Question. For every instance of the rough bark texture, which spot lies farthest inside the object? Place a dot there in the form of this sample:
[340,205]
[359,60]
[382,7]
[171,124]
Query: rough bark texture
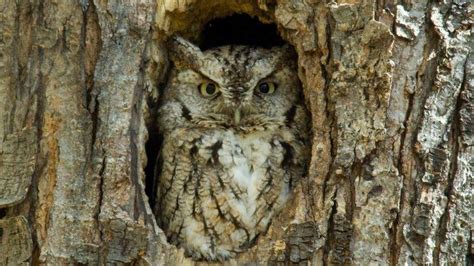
[389,84]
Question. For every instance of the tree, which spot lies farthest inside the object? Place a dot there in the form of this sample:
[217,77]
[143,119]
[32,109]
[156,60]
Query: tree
[389,85]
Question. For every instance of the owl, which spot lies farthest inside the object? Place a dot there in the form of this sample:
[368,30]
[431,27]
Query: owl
[235,141]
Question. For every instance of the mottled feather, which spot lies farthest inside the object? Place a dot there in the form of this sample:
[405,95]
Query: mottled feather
[224,175]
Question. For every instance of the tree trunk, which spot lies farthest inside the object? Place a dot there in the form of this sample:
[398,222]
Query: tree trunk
[389,85]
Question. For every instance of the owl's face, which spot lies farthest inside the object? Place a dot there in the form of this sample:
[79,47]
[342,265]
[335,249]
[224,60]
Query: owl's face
[237,87]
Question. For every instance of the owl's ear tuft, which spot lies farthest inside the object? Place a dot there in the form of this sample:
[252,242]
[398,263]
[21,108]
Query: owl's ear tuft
[284,55]
[182,52]
[285,50]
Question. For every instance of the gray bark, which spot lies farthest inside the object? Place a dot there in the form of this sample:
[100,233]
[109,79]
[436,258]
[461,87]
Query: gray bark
[389,85]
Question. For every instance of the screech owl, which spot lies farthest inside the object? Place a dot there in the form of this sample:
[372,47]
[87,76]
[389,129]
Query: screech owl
[235,140]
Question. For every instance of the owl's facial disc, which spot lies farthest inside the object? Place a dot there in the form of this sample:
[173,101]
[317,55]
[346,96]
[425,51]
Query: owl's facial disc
[238,87]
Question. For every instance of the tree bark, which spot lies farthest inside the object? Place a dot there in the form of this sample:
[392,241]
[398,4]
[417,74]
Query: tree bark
[389,85]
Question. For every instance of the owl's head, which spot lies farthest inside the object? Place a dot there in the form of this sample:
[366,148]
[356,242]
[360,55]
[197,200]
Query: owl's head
[240,87]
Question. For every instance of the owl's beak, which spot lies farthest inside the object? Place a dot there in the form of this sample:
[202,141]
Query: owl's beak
[237,115]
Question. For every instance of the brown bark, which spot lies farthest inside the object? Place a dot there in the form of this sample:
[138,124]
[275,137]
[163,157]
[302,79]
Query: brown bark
[389,85]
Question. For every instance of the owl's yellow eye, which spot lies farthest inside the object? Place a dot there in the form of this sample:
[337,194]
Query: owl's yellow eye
[266,87]
[208,89]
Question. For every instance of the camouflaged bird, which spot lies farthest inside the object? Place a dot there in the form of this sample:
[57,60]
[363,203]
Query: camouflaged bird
[235,140]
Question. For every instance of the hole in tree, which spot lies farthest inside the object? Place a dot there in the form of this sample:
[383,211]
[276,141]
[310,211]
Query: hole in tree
[240,29]
[152,149]
[237,29]
[3,213]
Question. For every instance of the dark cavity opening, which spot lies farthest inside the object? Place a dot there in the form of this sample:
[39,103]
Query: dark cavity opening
[240,29]
[237,29]
[152,149]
